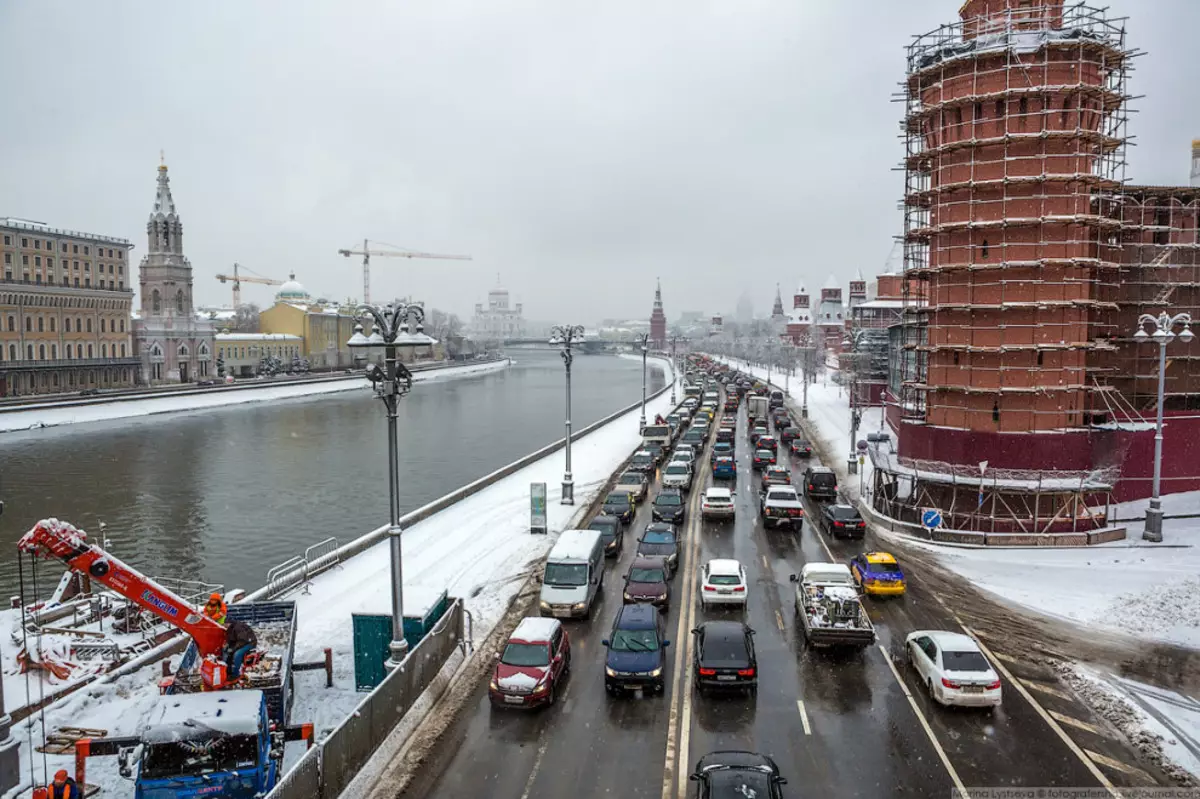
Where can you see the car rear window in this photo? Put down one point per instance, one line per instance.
(725, 648)
(737, 782)
(844, 514)
(724, 579)
(823, 479)
(963, 661)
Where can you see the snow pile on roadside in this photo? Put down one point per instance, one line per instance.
(35, 418)
(1162, 725)
(1166, 610)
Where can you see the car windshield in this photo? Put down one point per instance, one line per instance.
(617, 498)
(642, 457)
(629, 479)
(668, 499)
(963, 661)
(724, 579)
(634, 641)
(565, 574)
(646, 575)
(677, 468)
(199, 757)
(658, 537)
(526, 655)
(739, 783)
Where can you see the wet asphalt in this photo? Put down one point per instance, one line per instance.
(836, 723)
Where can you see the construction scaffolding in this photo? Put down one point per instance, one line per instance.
(1015, 128)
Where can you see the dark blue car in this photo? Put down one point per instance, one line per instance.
(636, 651)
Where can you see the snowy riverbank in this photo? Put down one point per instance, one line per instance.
(54, 416)
(479, 549)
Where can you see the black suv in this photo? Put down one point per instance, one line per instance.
(725, 657)
(843, 521)
(669, 506)
(820, 483)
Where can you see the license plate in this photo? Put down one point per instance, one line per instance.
(727, 677)
(973, 689)
(724, 590)
(562, 614)
(515, 700)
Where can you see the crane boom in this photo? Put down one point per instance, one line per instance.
(51, 538)
(397, 252)
(238, 279)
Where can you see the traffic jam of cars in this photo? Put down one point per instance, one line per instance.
(688, 468)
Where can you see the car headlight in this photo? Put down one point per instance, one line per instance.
(579, 606)
(628, 596)
(609, 671)
(655, 673)
(495, 686)
(544, 605)
(662, 597)
(542, 687)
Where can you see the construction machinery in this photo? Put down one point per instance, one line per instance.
(238, 279)
(395, 252)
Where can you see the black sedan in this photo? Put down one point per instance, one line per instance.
(619, 504)
(669, 506)
(789, 434)
(610, 534)
(659, 540)
(724, 657)
(843, 521)
(733, 775)
(643, 461)
(801, 448)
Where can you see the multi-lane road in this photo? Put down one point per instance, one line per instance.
(838, 724)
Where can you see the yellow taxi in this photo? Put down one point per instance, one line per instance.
(878, 573)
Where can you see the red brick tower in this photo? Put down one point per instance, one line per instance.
(658, 320)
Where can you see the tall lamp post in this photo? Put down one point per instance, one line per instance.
(643, 342)
(390, 329)
(852, 341)
(1163, 325)
(566, 335)
(674, 366)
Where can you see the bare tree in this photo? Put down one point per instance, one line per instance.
(245, 319)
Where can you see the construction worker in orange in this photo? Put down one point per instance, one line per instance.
(215, 609)
(63, 787)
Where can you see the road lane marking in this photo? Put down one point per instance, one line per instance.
(685, 719)
(958, 783)
(1007, 658)
(821, 539)
(1079, 724)
(1117, 765)
(779, 621)
(765, 564)
(537, 765)
(803, 717)
(673, 762)
(1041, 711)
(1049, 690)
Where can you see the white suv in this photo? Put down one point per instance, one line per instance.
(722, 582)
(717, 504)
(677, 474)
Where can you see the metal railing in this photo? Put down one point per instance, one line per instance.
(299, 569)
(327, 769)
(322, 556)
(285, 575)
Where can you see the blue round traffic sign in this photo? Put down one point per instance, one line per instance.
(931, 518)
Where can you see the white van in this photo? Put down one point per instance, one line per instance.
(657, 434)
(573, 575)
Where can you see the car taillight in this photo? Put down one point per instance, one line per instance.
(811, 487)
(739, 589)
(992, 686)
(950, 683)
(838, 524)
(708, 672)
(745, 672)
(709, 588)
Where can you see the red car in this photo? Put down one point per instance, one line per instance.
(533, 662)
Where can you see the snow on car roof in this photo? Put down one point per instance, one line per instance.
(184, 716)
(718, 493)
(534, 629)
(955, 642)
(724, 566)
(880, 557)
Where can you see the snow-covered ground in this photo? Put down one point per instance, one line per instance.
(78, 414)
(480, 549)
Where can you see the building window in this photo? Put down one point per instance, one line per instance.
(78, 324)
(77, 266)
(37, 260)
(24, 242)
(87, 282)
(28, 324)
(75, 249)
(89, 325)
(76, 282)
(54, 352)
(24, 260)
(64, 246)
(50, 263)
(985, 249)
(122, 350)
(103, 350)
(87, 250)
(91, 352)
(978, 111)
(996, 411)
(102, 324)
(1039, 358)
(41, 325)
(1063, 116)
(122, 325)
(179, 301)
(29, 351)
(8, 240)
(68, 352)
(8, 257)
(12, 324)
(52, 324)
(156, 301)
(12, 352)
(120, 271)
(37, 244)
(120, 255)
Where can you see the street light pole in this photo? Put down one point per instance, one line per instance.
(393, 381)
(643, 341)
(566, 335)
(1163, 325)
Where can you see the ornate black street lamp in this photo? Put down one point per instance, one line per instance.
(566, 335)
(643, 342)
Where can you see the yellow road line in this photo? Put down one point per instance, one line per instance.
(1006, 658)
(1079, 724)
(779, 621)
(958, 783)
(1117, 765)
(1041, 711)
(1049, 690)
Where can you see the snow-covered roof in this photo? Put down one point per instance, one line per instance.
(534, 629)
(881, 304)
(821, 572)
(887, 460)
(724, 566)
(186, 716)
(956, 642)
(831, 283)
(718, 493)
(257, 337)
(574, 545)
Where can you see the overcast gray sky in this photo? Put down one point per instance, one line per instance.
(579, 149)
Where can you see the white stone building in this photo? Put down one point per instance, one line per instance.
(498, 320)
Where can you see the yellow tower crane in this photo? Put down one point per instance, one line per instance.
(239, 279)
(396, 252)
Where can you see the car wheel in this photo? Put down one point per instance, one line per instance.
(932, 695)
(550, 700)
(753, 691)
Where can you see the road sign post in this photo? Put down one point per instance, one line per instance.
(537, 509)
(931, 519)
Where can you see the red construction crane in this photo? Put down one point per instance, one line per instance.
(51, 538)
